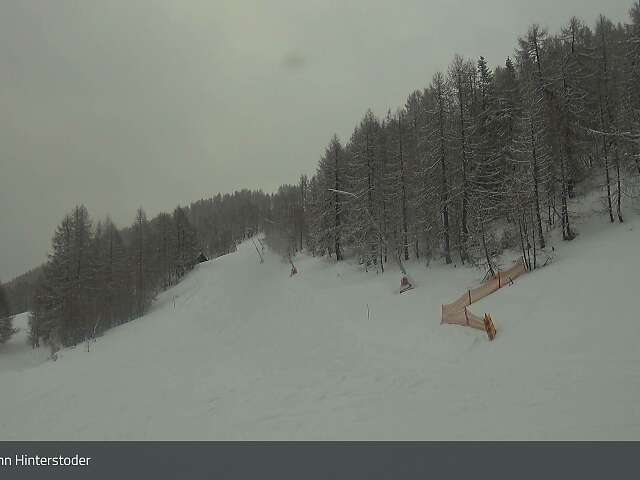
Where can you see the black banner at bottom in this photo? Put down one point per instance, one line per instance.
(318, 460)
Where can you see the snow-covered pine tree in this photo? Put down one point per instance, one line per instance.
(632, 82)
(313, 213)
(535, 91)
(111, 284)
(64, 305)
(330, 177)
(6, 319)
(284, 224)
(529, 172)
(398, 181)
(186, 238)
(166, 250)
(415, 118)
(617, 111)
(485, 172)
(360, 179)
(302, 229)
(427, 219)
(606, 95)
(459, 78)
(141, 268)
(439, 141)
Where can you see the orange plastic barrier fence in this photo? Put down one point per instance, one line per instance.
(457, 313)
(489, 327)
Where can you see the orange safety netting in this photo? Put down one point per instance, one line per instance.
(457, 312)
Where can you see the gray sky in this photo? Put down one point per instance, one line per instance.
(122, 103)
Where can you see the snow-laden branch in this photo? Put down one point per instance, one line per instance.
(377, 227)
(629, 136)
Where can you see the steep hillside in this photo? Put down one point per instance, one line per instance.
(239, 350)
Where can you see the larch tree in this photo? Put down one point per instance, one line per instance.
(439, 138)
(141, 266)
(331, 170)
(6, 319)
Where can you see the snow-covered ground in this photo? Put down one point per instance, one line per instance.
(333, 353)
(17, 355)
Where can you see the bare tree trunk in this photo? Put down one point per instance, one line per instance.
(605, 148)
(534, 160)
(523, 242)
(567, 233)
(603, 105)
(405, 241)
(533, 233)
(619, 182)
(465, 230)
(444, 201)
(565, 154)
(337, 208)
(486, 250)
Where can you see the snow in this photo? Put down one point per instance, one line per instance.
(250, 353)
(17, 355)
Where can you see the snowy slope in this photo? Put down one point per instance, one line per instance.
(17, 355)
(250, 353)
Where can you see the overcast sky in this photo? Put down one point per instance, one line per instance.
(122, 103)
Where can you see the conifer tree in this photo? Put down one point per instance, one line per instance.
(6, 328)
(141, 264)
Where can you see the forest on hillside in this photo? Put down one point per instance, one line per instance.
(99, 276)
(479, 160)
